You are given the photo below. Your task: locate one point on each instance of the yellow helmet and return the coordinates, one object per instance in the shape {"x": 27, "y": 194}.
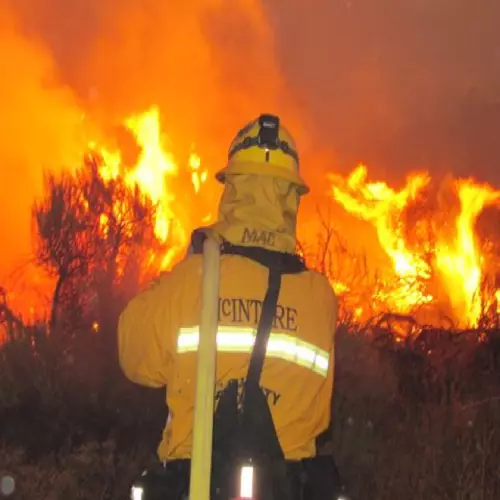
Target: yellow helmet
{"x": 263, "y": 147}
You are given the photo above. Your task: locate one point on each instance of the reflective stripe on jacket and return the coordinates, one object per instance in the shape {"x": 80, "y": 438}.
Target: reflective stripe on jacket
{"x": 158, "y": 338}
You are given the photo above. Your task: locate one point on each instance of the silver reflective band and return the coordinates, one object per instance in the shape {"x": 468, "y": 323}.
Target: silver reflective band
{"x": 246, "y": 482}
{"x": 7, "y": 485}
{"x": 137, "y": 493}
{"x": 232, "y": 339}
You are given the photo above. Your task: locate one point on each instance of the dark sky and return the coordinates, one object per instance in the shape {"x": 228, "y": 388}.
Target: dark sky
{"x": 400, "y": 84}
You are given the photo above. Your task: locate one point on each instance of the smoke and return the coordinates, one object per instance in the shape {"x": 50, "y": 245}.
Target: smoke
{"x": 400, "y": 85}
{"x": 39, "y": 127}
{"x": 207, "y": 65}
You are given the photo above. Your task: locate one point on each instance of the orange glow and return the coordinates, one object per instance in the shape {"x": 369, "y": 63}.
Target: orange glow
{"x": 404, "y": 285}
{"x": 64, "y": 94}
{"x": 159, "y": 93}
{"x": 198, "y": 177}
{"x": 461, "y": 262}
{"x": 382, "y": 206}
{"x": 154, "y": 168}
{"x": 152, "y": 173}
{"x": 456, "y": 263}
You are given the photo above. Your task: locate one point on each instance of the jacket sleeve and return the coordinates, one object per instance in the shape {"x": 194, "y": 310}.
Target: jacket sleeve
{"x": 144, "y": 335}
{"x": 330, "y": 304}
{"x": 333, "y": 317}
{"x": 333, "y": 313}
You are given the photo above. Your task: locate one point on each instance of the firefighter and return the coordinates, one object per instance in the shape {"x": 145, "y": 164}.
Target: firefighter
{"x": 158, "y": 330}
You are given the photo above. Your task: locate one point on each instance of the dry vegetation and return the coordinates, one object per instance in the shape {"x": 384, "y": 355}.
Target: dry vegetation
{"x": 413, "y": 419}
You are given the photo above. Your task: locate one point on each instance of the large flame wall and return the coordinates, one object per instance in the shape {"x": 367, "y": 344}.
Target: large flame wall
{"x": 161, "y": 87}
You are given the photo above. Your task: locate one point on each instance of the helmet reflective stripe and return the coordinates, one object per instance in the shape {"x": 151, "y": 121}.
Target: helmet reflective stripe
{"x": 241, "y": 340}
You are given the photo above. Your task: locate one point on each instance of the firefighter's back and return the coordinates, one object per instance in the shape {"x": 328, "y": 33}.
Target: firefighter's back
{"x": 297, "y": 376}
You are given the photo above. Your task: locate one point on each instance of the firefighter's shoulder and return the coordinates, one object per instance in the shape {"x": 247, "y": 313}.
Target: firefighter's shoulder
{"x": 188, "y": 271}
{"x": 320, "y": 283}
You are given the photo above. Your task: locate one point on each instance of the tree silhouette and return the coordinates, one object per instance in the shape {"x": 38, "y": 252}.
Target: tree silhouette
{"x": 93, "y": 236}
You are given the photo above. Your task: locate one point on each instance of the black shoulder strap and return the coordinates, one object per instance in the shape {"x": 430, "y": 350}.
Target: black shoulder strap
{"x": 278, "y": 263}
{"x": 249, "y": 431}
{"x": 258, "y": 438}
{"x": 264, "y": 328}
{"x": 289, "y": 263}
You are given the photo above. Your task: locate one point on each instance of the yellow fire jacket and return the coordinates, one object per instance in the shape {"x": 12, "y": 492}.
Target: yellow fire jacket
{"x": 158, "y": 338}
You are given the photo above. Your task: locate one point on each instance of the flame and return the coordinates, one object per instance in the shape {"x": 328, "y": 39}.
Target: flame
{"x": 104, "y": 224}
{"x": 461, "y": 262}
{"x": 457, "y": 263}
{"x": 152, "y": 173}
{"x": 198, "y": 177}
{"x": 381, "y": 205}
{"x": 111, "y": 161}
{"x": 56, "y": 103}
{"x": 155, "y": 166}
{"x": 120, "y": 76}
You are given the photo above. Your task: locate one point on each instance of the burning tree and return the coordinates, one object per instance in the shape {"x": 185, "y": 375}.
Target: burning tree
{"x": 96, "y": 238}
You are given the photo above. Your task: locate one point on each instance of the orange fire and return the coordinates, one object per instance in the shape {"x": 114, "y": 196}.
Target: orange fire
{"x": 382, "y": 206}
{"x": 153, "y": 173}
{"x": 461, "y": 263}
{"x": 176, "y": 56}
{"x": 191, "y": 79}
{"x": 456, "y": 262}
{"x": 453, "y": 259}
